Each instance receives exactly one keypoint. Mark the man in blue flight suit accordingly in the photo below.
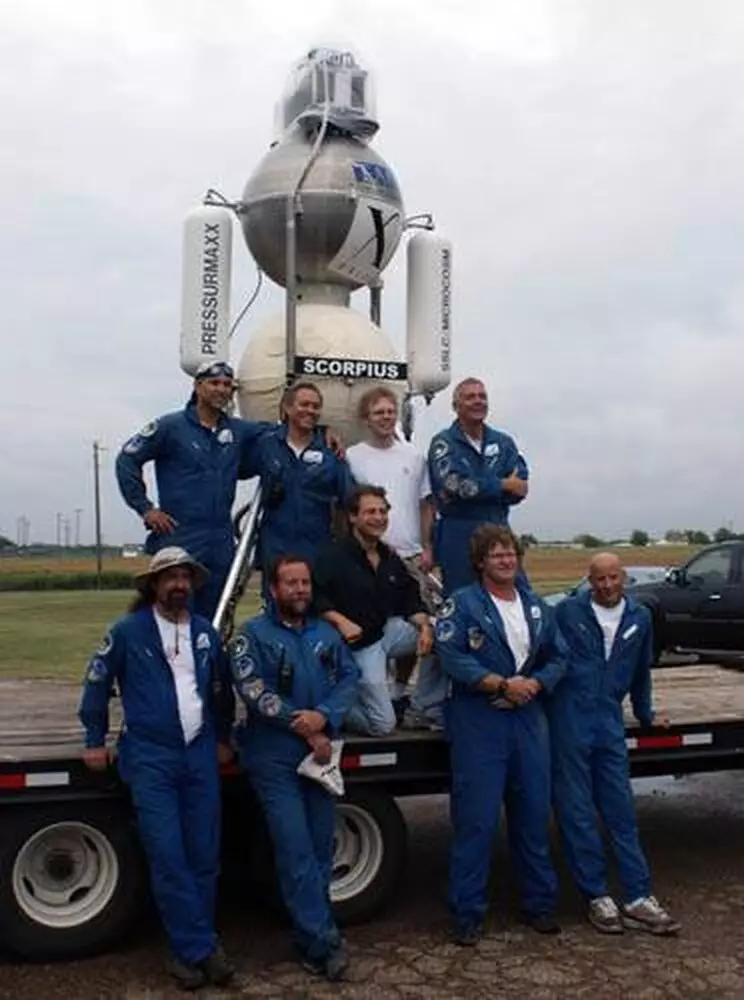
(178, 707)
(610, 642)
(199, 455)
(302, 480)
(477, 475)
(298, 680)
(501, 649)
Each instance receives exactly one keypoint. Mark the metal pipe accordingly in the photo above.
(294, 208)
(97, 501)
(375, 303)
(240, 568)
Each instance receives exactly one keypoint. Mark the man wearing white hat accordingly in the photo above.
(178, 708)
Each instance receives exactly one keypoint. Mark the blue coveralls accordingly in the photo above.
(299, 493)
(197, 470)
(466, 487)
(497, 753)
(175, 786)
(590, 758)
(278, 670)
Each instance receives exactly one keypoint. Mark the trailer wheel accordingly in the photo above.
(71, 879)
(371, 843)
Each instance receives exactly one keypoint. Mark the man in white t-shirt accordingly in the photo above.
(383, 459)
(610, 644)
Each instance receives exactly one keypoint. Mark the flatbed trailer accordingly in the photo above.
(72, 878)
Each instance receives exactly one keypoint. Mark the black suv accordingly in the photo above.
(699, 607)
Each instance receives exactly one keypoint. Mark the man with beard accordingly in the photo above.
(177, 703)
(297, 679)
(199, 454)
(502, 651)
(477, 475)
(610, 643)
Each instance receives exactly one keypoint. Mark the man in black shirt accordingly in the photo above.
(362, 587)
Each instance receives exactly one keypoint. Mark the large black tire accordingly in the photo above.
(370, 858)
(72, 878)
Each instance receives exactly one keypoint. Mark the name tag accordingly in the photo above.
(312, 457)
(491, 449)
(630, 631)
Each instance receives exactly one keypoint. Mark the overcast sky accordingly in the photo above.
(585, 156)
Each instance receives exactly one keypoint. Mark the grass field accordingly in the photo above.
(50, 635)
(25, 565)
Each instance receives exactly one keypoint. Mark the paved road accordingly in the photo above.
(694, 831)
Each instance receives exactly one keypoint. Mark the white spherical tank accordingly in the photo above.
(324, 331)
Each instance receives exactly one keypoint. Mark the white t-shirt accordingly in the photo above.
(176, 640)
(608, 620)
(476, 443)
(401, 470)
(516, 628)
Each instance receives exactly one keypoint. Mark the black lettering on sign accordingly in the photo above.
(210, 290)
(352, 368)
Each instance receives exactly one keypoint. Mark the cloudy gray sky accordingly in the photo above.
(586, 157)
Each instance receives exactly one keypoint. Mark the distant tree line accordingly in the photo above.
(640, 538)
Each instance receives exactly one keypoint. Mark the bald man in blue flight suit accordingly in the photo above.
(298, 680)
(499, 645)
(200, 454)
(477, 475)
(178, 708)
(610, 642)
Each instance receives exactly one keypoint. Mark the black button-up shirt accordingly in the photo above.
(345, 581)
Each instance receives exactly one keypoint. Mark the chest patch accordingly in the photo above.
(475, 639)
(312, 457)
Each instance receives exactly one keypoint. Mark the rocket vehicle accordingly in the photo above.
(323, 216)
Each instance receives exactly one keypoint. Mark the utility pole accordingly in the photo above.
(59, 530)
(67, 532)
(97, 449)
(78, 512)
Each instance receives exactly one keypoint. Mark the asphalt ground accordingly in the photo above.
(693, 830)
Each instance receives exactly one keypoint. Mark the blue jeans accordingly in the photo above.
(373, 714)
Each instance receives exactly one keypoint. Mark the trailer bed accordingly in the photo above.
(705, 704)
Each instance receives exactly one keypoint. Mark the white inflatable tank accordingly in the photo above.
(205, 303)
(429, 317)
(323, 331)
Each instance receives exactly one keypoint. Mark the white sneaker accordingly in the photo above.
(647, 914)
(604, 915)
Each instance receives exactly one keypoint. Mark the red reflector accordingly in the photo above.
(228, 770)
(658, 742)
(12, 780)
(350, 762)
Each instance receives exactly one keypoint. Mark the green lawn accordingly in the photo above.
(50, 635)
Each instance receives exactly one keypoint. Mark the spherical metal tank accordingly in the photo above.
(352, 211)
(323, 331)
